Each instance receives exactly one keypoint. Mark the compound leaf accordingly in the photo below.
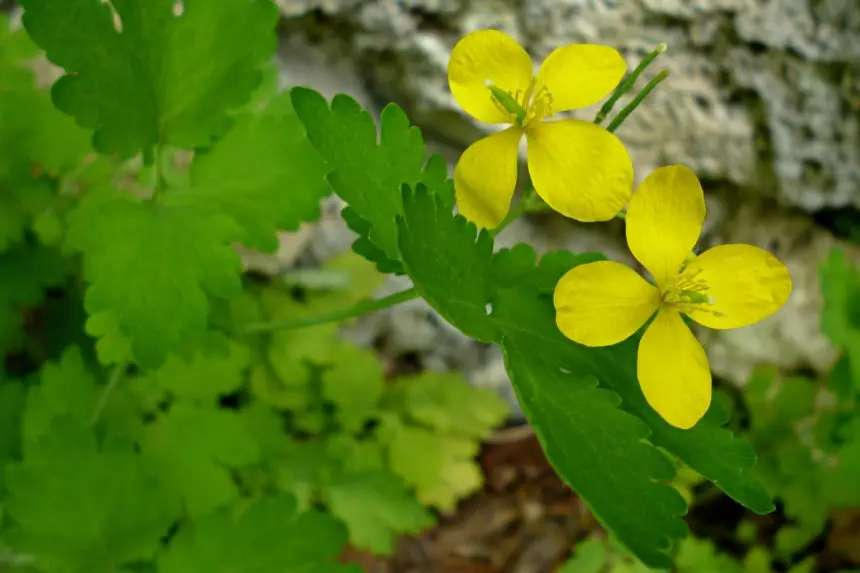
(79, 508)
(264, 173)
(66, 389)
(268, 536)
(375, 506)
(367, 169)
(202, 376)
(840, 313)
(192, 449)
(440, 467)
(446, 402)
(147, 72)
(449, 261)
(354, 384)
(599, 450)
(151, 266)
(709, 449)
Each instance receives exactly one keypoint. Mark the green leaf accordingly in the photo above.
(450, 267)
(589, 556)
(203, 377)
(20, 202)
(375, 506)
(269, 536)
(841, 483)
(776, 404)
(192, 450)
(306, 468)
(840, 313)
(28, 272)
(67, 389)
(78, 508)
(264, 173)
(151, 266)
(446, 402)
(599, 450)
(354, 384)
(12, 399)
(368, 169)
(518, 266)
(709, 449)
(348, 477)
(36, 138)
(700, 556)
(840, 288)
(441, 468)
(141, 74)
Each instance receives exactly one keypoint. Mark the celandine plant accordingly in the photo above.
(134, 438)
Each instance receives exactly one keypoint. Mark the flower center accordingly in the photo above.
(523, 107)
(689, 293)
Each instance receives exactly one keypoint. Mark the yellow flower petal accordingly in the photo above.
(603, 303)
(746, 284)
(485, 177)
(579, 169)
(673, 370)
(483, 57)
(664, 220)
(580, 75)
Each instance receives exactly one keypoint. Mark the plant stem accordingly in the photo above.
(628, 83)
(337, 315)
(622, 115)
(158, 171)
(115, 377)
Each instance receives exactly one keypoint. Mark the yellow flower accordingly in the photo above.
(578, 168)
(728, 286)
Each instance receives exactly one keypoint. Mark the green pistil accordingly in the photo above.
(507, 101)
(694, 297)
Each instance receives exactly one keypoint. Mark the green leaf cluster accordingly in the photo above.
(97, 486)
(169, 409)
(806, 431)
(694, 555)
(373, 450)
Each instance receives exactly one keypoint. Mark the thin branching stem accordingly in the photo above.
(337, 315)
(113, 381)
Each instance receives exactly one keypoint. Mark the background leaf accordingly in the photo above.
(269, 535)
(264, 173)
(161, 78)
(79, 508)
(151, 266)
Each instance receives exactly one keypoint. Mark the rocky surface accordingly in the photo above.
(758, 94)
(762, 99)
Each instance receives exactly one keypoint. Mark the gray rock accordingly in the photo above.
(740, 105)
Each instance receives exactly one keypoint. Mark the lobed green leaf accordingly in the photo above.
(368, 169)
(151, 267)
(82, 508)
(264, 173)
(269, 535)
(599, 450)
(153, 72)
